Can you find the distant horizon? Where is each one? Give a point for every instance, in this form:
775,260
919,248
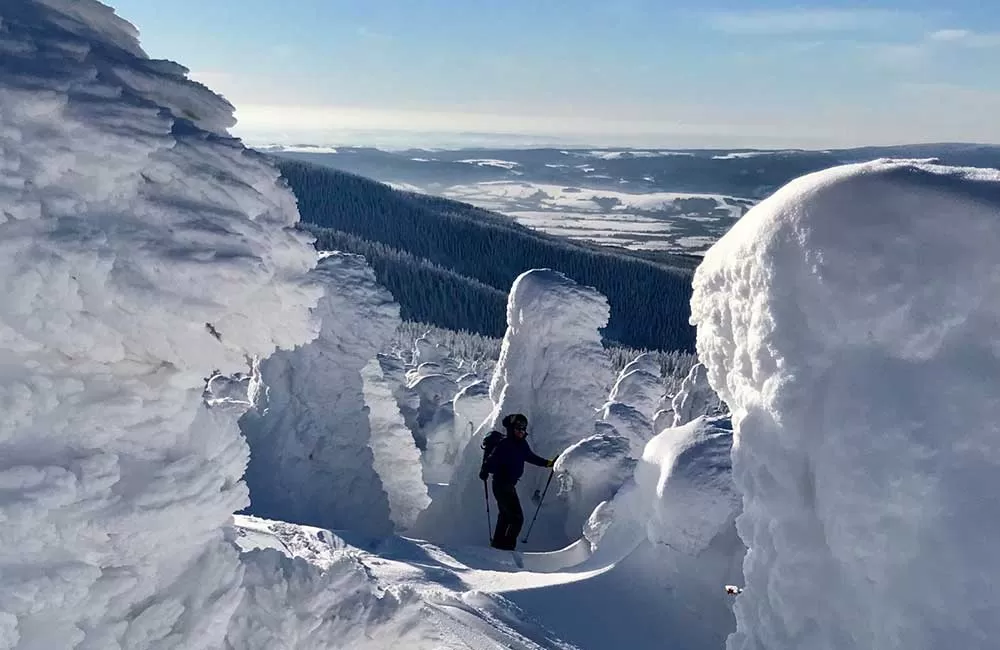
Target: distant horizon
499,141
615,73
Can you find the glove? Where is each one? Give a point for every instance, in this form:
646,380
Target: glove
483,474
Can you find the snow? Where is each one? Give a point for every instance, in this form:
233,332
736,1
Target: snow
132,228
395,456
591,472
695,397
553,369
739,155
310,438
490,162
849,321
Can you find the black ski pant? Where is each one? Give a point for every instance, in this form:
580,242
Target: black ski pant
509,519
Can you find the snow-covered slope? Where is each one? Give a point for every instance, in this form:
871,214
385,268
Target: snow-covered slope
141,248
850,322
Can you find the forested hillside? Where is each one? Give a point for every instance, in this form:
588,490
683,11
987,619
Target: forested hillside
451,264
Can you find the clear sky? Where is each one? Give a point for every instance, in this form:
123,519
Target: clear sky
613,72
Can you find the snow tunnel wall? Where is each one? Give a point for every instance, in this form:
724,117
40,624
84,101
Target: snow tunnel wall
850,322
141,248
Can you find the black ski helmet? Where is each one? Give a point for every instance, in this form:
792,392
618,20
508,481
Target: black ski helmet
513,420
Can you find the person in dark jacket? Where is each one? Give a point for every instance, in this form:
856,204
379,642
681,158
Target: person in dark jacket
505,461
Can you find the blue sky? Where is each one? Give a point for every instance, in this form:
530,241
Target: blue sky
613,72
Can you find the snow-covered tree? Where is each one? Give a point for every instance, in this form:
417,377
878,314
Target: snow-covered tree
310,439
850,321
143,249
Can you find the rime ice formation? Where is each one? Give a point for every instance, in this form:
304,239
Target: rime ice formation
141,250
553,369
695,397
311,461
396,458
850,322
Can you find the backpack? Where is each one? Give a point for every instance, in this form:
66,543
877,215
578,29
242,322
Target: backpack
489,445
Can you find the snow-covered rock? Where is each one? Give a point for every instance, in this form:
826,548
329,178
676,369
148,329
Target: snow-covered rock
553,369
141,250
850,322
311,460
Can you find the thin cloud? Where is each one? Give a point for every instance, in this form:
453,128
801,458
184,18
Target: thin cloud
965,37
802,21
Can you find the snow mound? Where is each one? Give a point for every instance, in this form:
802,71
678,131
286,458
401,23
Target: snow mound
696,499
591,472
554,369
141,250
628,423
311,460
640,388
849,321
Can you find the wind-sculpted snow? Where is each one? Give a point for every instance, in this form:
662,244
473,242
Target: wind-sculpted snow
311,460
850,322
591,472
141,251
695,397
396,458
552,368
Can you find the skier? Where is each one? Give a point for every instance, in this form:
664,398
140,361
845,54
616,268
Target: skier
504,458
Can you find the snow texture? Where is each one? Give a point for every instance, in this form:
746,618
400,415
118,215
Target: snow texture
639,385
591,472
396,458
141,250
695,397
311,460
553,369
850,322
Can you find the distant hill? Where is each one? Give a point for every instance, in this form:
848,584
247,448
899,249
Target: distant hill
451,264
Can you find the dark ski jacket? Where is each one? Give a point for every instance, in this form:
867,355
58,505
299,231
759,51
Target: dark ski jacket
506,461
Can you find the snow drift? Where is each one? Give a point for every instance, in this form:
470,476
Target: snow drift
850,322
141,249
552,368
311,460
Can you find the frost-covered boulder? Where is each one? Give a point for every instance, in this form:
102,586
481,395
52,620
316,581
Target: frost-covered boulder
850,321
311,460
141,250
396,458
591,472
552,368
695,397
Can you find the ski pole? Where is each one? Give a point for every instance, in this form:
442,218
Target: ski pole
551,472
489,520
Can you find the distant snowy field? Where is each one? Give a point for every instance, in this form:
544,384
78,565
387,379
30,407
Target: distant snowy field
667,221
639,199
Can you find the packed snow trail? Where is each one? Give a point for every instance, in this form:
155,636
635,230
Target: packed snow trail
394,558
